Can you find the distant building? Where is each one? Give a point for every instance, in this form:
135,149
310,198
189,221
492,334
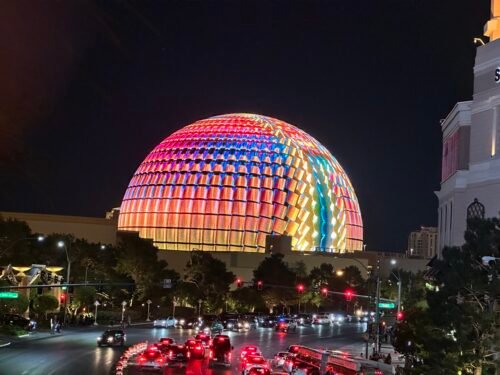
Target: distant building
470,178
423,242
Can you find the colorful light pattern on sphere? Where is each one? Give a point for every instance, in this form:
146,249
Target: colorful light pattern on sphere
226,182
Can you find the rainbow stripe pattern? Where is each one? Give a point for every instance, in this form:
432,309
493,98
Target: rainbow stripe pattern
226,182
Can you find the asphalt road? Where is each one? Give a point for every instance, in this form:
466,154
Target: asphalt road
76,352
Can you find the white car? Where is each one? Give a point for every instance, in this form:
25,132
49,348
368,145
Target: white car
280,358
165,323
321,319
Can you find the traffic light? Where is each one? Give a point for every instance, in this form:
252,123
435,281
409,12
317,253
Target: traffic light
62,298
300,288
239,283
260,284
348,294
324,291
400,316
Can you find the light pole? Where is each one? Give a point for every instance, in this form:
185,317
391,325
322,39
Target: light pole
149,302
62,244
398,277
124,303
96,303
199,307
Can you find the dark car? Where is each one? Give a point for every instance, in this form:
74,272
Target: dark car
177,354
19,321
268,322
304,319
195,348
220,351
112,337
204,338
189,323
165,341
226,317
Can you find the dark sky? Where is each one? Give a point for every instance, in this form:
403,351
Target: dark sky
87,89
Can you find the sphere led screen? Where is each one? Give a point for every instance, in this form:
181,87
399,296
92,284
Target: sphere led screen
227,182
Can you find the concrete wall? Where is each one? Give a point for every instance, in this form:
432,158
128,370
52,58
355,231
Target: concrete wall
93,229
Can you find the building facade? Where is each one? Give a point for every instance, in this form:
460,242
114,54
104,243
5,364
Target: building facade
470,179
423,242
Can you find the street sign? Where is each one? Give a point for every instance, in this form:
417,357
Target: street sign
386,305
9,295
149,302
167,283
97,303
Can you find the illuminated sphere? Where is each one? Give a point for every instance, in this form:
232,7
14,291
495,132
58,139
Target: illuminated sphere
227,182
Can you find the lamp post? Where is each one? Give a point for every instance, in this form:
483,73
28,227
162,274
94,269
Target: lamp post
62,244
398,277
124,303
96,303
148,302
199,307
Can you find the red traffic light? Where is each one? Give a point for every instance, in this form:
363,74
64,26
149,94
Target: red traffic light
62,298
238,282
400,316
259,285
348,294
300,288
324,291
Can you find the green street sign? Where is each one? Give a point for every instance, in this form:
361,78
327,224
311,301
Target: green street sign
386,305
9,295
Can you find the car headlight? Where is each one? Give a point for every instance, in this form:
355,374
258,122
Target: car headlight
247,325
182,321
110,339
230,325
99,338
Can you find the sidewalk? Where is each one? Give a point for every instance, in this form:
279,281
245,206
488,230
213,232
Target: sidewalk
358,350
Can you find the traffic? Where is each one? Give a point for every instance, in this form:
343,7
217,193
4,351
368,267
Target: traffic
209,349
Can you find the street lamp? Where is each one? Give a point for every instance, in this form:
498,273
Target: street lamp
398,277
62,244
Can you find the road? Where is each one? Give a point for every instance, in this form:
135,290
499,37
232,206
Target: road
76,352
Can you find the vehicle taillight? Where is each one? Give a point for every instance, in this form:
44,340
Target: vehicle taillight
378,372
210,354
229,355
141,358
197,348
188,354
160,360
171,354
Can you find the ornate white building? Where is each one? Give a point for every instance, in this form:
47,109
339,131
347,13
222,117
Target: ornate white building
470,179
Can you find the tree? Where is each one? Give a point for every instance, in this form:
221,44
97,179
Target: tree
246,299
211,278
456,330
274,271
45,303
138,259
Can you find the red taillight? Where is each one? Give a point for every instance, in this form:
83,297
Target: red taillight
229,355
197,348
221,339
188,355
171,354
141,358
160,360
378,372
210,354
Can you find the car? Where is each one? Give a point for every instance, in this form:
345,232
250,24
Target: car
151,359
279,359
252,360
19,321
304,319
227,316
112,337
204,338
195,348
237,325
165,322
249,350
268,322
321,319
220,351
249,321
189,323
286,325
177,354
258,370
166,341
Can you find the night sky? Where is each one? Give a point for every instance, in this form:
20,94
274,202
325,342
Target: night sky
87,89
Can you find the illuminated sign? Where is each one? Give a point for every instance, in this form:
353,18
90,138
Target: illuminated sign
386,305
9,295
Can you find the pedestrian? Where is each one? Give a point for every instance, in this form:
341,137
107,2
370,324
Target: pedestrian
388,359
58,327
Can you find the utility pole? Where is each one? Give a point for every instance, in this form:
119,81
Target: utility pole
377,310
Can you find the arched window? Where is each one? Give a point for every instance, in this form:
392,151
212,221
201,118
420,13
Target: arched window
475,210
